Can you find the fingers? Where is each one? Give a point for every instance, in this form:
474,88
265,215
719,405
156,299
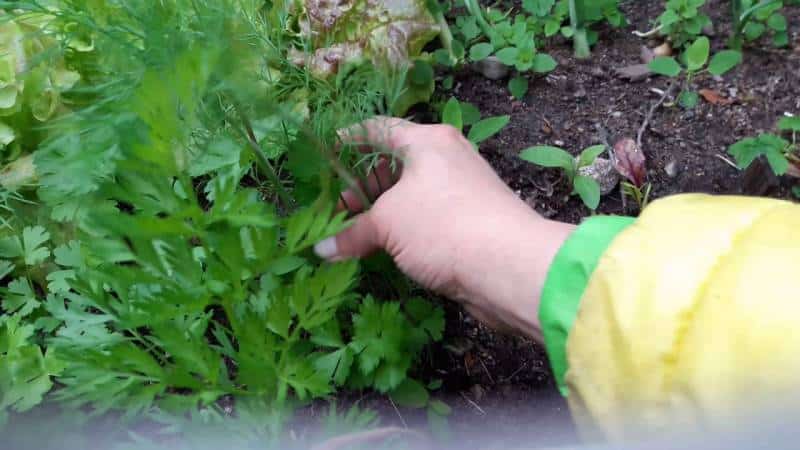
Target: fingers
378,181
379,133
361,239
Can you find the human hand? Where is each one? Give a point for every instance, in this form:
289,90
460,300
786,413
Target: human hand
450,223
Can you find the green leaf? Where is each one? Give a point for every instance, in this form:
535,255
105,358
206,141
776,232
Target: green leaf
286,264
508,56
772,147
470,114
724,61
410,394
697,54
518,86
479,52
588,190
487,128
421,74
668,18
754,30
543,63
451,114
6,267
777,22
665,65
589,154
441,408
689,99
547,156
789,124
32,239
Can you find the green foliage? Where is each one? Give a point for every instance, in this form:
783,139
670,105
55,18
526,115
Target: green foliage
781,154
459,115
683,21
585,187
695,61
163,259
35,73
753,19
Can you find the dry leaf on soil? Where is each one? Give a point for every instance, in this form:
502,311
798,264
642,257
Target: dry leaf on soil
714,97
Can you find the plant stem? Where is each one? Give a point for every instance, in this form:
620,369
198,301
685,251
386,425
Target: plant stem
475,10
579,37
445,35
261,158
741,19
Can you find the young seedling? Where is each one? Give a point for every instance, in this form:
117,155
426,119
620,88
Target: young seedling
585,187
460,115
682,21
782,155
630,162
695,62
753,18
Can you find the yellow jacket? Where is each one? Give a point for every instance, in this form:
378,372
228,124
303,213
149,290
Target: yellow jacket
691,312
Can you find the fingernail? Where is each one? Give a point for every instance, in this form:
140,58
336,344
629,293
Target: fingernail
327,248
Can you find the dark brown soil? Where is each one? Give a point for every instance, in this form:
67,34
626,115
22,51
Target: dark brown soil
500,388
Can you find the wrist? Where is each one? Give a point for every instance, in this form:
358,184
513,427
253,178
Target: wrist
504,267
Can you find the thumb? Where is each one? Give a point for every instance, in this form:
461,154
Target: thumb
359,240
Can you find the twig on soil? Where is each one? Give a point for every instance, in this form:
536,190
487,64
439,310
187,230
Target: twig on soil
726,161
405,425
644,34
474,405
650,113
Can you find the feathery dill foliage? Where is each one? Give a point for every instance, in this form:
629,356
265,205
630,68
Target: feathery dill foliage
142,275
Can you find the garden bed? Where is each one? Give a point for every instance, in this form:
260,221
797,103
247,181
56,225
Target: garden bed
503,384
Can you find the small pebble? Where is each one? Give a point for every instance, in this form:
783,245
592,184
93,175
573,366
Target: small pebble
558,143
492,68
616,114
671,168
602,170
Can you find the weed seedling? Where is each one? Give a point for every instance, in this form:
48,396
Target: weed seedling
753,18
584,186
781,154
695,62
682,21
460,115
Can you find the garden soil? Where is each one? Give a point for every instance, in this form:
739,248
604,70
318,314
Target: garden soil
500,388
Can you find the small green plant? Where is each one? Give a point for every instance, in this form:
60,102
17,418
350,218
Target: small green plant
752,19
781,154
584,186
695,63
460,115
630,162
682,21
582,14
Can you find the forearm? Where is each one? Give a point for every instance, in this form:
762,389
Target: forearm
505,269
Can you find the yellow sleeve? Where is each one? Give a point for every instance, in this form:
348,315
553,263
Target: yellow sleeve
692,312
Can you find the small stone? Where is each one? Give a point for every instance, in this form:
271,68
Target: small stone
492,68
598,72
602,170
558,143
671,168
616,114
580,93
636,72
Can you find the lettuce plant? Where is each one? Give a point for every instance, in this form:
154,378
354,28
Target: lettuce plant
389,34
33,77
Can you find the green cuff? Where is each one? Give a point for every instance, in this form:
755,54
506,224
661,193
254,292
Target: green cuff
567,279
